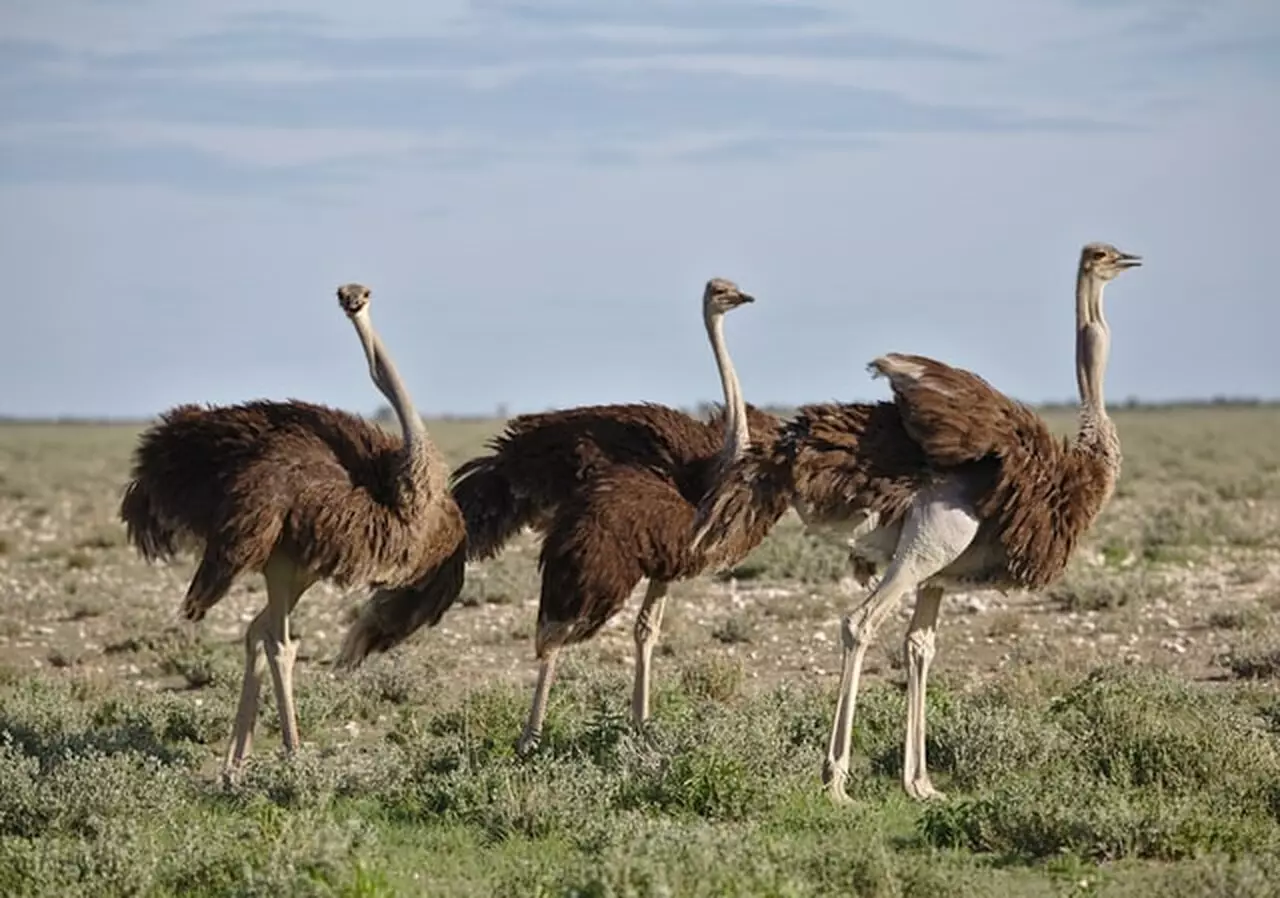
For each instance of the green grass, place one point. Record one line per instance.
(1052, 784)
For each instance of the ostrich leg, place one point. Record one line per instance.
(532, 735)
(247, 712)
(648, 625)
(936, 532)
(919, 650)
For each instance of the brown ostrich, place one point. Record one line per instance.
(952, 484)
(613, 489)
(299, 493)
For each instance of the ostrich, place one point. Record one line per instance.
(952, 484)
(613, 490)
(299, 493)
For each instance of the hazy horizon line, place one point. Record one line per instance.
(781, 409)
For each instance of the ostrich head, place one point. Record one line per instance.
(1103, 261)
(353, 297)
(721, 295)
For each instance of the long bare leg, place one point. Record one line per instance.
(919, 650)
(532, 735)
(250, 689)
(936, 532)
(856, 632)
(285, 585)
(648, 625)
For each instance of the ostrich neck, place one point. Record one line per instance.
(389, 382)
(1093, 341)
(420, 474)
(736, 434)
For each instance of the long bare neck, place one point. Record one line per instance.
(417, 447)
(1093, 340)
(389, 382)
(736, 434)
(1093, 343)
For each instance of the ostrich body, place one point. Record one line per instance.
(299, 493)
(613, 490)
(629, 522)
(951, 485)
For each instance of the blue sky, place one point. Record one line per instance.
(536, 190)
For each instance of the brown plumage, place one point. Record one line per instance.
(1039, 492)
(536, 465)
(841, 462)
(951, 484)
(299, 493)
(625, 521)
(244, 480)
(539, 461)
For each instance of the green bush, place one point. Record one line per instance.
(1105, 780)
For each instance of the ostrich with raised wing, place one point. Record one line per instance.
(951, 485)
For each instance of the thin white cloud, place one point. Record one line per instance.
(1035, 59)
(248, 145)
(154, 24)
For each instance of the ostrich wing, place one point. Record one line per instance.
(954, 415)
(1041, 494)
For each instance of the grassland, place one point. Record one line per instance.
(1118, 735)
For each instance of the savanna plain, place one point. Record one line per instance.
(1118, 734)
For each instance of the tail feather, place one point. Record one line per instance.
(738, 512)
(391, 616)
(212, 581)
(154, 538)
(492, 513)
(492, 510)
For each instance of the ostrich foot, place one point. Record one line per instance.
(833, 784)
(528, 743)
(922, 790)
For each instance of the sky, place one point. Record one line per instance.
(537, 190)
